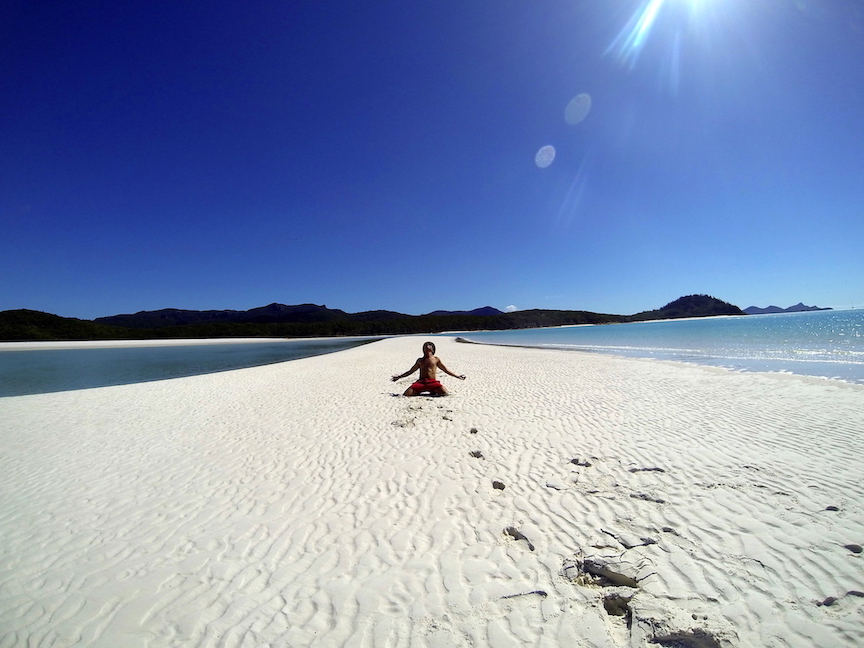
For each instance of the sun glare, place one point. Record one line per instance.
(630, 41)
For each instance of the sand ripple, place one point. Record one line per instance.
(638, 503)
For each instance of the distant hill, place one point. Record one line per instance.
(312, 320)
(690, 306)
(797, 308)
(24, 324)
(278, 320)
(272, 313)
(485, 312)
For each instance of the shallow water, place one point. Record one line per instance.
(821, 343)
(40, 371)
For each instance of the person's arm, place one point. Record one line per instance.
(409, 372)
(447, 371)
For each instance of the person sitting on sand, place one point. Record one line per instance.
(428, 366)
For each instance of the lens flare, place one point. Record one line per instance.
(544, 156)
(577, 109)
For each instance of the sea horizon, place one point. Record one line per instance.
(821, 344)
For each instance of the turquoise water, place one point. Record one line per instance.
(51, 370)
(822, 343)
(825, 343)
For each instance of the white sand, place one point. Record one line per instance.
(302, 504)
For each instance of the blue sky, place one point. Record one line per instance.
(381, 155)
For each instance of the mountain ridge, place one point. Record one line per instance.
(313, 320)
(795, 308)
(274, 313)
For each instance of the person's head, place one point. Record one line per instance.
(428, 347)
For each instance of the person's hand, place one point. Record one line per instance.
(395, 378)
(461, 377)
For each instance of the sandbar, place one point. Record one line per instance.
(554, 499)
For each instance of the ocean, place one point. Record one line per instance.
(40, 371)
(827, 344)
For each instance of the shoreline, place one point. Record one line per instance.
(842, 364)
(686, 363)
(275, 505)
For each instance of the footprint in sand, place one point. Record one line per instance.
(599, 572)
(516, 534)
(617, 605)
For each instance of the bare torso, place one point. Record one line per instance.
(428, 367)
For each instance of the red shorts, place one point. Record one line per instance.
(426, 385)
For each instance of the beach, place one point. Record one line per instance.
(554, 499)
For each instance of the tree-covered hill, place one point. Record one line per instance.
(33, 325)
(26, 324)
(310, 320)
(690, 306)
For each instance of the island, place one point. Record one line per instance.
(797, 308)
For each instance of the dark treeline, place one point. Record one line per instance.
(402, 326)
(34, 325)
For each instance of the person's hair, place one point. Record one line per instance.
(429, 344)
